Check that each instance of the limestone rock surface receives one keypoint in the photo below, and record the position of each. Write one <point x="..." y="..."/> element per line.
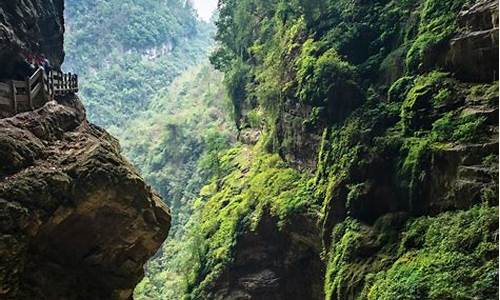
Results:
<point x="77" y="221"/>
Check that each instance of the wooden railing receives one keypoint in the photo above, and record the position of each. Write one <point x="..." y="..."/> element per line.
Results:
<point x="35" y="91"/>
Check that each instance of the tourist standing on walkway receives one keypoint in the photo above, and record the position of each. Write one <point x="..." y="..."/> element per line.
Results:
<point x="44" y="62"/>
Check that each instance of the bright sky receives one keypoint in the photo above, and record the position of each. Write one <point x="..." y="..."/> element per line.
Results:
<point x="205" y="8"/>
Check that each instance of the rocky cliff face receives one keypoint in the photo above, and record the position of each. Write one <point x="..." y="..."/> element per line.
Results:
<point x="76" y="219"/>
<point x="30" y="27"/>
<point x="274" y="263"/>
<point x="78" y="222"/>
<point x="393" y="106"/>
<point x="473" y="52"/>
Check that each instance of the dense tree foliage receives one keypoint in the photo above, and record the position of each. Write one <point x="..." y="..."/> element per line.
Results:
<point x="179" y="137"/>
<point x="125" y="51"/>
<point x="178" y="153"/>
<point x="145" y="77"/>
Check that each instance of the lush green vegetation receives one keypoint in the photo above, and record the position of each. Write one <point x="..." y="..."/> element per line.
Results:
<point x="360" y="123"/>
<point x="376" y="262"/>
<point x="410" y="136"/>
<point x="320" y="53"/>
<point x="450" y="256"/>
<point x="178" y="151"/>
<point x="250" y="184"/>
<point x="180" y="135"/>
<point x="437" y="25"/>
<point x="361" y="85"/>
<point x="246" y="184"/>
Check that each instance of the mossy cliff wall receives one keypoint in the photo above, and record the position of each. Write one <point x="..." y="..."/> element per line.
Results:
<point x="383" y="120"/>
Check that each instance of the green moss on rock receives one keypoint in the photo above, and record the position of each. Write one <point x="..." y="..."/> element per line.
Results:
<point x="429" y="91"/>
<point x="256" y="183"/>
<point x="450" y="256"/>
<point x="438" y="23"/>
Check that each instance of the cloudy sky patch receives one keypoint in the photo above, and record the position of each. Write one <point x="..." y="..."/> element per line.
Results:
<point x="205" y="8"/>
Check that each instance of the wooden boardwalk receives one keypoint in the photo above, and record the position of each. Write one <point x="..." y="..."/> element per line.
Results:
<point x="35" y="91"/>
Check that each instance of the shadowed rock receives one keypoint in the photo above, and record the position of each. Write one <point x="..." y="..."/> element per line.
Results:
<point x="77" y="221"/>
<point x="31" y="26"/>
<point x="473" y="53"/>
<point x="274" y="264"/>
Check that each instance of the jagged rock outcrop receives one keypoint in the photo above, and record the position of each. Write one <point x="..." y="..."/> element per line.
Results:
<point x="30" y="27"/>
<point x="77" y="221"/>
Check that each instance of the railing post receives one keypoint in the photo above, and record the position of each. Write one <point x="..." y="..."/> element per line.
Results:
<point x="51" y="85"/>
<point x="65" y="80"/>
<point x="55" y="81"/>
<point x="13" y="94"/>
<point x="48" y="85"/>
<point x="45" y="85"/>
<point x="69" y="81"/>
<point x="28" y="91"/>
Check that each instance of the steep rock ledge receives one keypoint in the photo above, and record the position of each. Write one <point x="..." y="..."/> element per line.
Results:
<point x="77" y="221"/>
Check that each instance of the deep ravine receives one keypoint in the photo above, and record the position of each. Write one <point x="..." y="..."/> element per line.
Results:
<point x="281" y="150"/>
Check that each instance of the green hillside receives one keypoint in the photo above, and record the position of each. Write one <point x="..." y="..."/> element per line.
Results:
<point x="125" y="51"/>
